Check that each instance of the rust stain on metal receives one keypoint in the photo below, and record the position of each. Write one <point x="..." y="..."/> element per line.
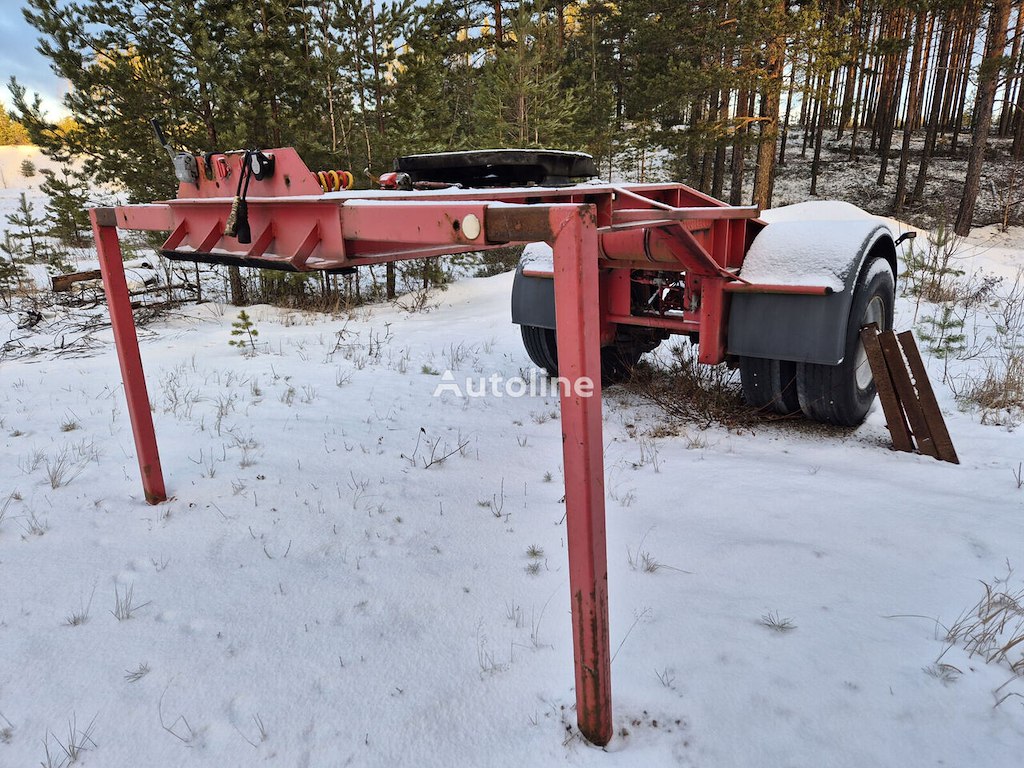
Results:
<point x="518" y="224"/>
<point x="106" y="217"/>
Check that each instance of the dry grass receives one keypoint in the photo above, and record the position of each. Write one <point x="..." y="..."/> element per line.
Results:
<point x="134" y="675"/>
<point x="999" y="390"/>
<point x="72" y="748"/>
<point x="690" y="391"/>
<point x="124" y="603"/>
<point x="993" y="628"/>
<point x="79" y="617"/>
<point x="776" y="622"/>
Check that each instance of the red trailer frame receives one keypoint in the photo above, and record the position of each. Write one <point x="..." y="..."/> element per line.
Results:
<point x="599" y="233"/>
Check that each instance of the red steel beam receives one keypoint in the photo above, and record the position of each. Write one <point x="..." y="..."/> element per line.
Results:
<point x="104" y="230"/>
<point x="571" y="231"/>
<point x="155" y="217"/>
<point x="578" y="318"/>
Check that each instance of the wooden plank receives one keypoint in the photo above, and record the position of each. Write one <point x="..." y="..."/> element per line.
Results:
<point x="929" y="405"/>
<point x="62" y="283"/>
<point x="894" y="418"/>
<point x="905" y="389"/>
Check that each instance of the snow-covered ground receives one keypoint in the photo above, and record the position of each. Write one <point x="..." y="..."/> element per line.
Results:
<point x="318" y="592"/>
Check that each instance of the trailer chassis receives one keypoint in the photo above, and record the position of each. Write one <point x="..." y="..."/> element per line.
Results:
<point x="602" y="236"/>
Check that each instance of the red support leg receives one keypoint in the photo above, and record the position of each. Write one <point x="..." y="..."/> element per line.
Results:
<point x="104" y="230"/>
<point x="578" y="318"/>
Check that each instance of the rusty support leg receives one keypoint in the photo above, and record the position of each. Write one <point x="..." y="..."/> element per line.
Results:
<point x="104" y="230"/>
<point x="578" y="318"/>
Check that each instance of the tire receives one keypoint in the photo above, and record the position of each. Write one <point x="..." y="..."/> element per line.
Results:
<point x="770" y="385"/>
<point x="842" y="394"/>
<point x="541" y="347"/>
<point x="617" y="362"/>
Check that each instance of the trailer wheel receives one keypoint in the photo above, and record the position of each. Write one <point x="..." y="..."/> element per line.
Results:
<point x="617" y="361"/>
<point x="842" y="394"/>
<point x="770" y="385"/>
<point x="541" y="347"/>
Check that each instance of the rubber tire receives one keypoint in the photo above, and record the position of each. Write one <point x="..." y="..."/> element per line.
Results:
<point x="541" y="347"/>
<point x="770" y="385"/>
<point x="831" y="393"/>
<point x="617" y="362"/>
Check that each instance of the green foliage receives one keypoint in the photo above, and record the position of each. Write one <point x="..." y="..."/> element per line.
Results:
<point x="943" y="334"/>
<point x="67" y="194"/>
<point x="29" y="231"/>
<point x="521" y="97"/>
<point x="27" y="168"/>
<point x="11" y="273"/>
<point x="244" y="333"/>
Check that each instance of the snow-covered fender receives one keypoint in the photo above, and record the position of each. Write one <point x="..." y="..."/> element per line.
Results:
<point x="807" y="329"/>
<point x="533" y="289"/>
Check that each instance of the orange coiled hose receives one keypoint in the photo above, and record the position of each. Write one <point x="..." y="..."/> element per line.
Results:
<point x="334" y="181"/>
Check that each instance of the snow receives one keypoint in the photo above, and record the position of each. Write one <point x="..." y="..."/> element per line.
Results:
<point x="815" y="243"/>
<point x="818" y="210"/>
<point x="11" y="158"/>
<point x="538" y="256"/>
<point x="311" y="575"/>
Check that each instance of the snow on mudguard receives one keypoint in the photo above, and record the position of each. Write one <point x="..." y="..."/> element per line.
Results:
<point x="809" y="329"/>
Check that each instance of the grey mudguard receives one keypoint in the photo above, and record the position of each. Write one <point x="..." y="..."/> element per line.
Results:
<point x="533" y="300"/>
<point x="806" y="329"/>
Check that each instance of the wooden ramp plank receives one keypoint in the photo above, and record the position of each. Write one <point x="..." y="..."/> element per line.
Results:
<point x="905" y="389"/>
<point x="60" y="283"/>
<point x="929" y="405"/>
<point x="891" y="407"/>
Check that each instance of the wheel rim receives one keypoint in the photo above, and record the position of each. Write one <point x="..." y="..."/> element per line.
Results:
<point x="873" y="313"/>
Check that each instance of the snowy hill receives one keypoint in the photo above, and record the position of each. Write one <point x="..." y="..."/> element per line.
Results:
<point x="11" y="159"/>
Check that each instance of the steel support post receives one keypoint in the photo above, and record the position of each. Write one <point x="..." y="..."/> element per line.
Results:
<point x="104" y="230"/>
<point x="578" y="317"/>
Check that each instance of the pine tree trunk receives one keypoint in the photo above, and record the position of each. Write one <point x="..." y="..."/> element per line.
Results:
<point x="961" y="100"/>
<point x="988" y="80"/>
<point x="789" y="109"/>
<point x="1012" y="83"/>
<point x="739" y="143"/>
<point x="886" y="96"/>
<point x="1018" y="123"/>
<point x="775" y="56"/>
<point x="956" y="72"/>
<point x="932" y="130"/>
<point x="923" y="75"/>
<point x="812" y="115"/>
<point x="908" y="122"/>
<point x="862" y="85"/>
<point x="499" y="29"/>
<point x="236" y="286"/>
<point x="889" y="122"/>
<point x="818" y="133"/>
<point x="849" y="90"/>
<point x="718" y="178"/>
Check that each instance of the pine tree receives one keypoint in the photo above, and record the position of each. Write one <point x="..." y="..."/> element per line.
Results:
<point x="219" y="74"/>
<point x="521" y="91"/>
<point x="30" y="231"/>
<point x="11" y="272"/>
<point x="244" y="333"/>
<point x="67" y="197"/>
